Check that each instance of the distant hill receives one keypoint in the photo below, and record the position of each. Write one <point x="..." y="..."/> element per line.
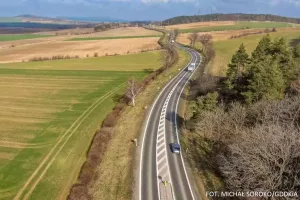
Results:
<point x="46" y="20"/>
<point x="94" y="19"/>
<point x="229" y="17"/>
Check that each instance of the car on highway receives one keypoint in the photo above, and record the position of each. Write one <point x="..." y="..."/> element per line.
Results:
<point x="175" y="148"/>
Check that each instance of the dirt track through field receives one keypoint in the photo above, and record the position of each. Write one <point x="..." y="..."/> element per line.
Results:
<point x="20" y="145"/>
<point x="58" y="146"/>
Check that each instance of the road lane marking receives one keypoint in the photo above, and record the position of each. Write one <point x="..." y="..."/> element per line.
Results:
<point x="145" y="130"/>
<point x="176" y="129"/>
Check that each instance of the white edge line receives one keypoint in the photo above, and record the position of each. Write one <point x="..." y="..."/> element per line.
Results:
<point x="166" y="103"/>
<point x="164" y="132"/>
<point x="177" y="129"/>
<point x="142" y="147"/>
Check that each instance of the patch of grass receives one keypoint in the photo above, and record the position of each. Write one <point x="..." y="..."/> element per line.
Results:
<point x="51" y="116"/>
<point x="112" y="38"/>
<point x="9" y="19"/>
<point x="130" y="62"/>
<point x="239" y="26"/>
<point x="226" y="48"/>
<point x="13" y="37"/>
<point x="115" y="171"/>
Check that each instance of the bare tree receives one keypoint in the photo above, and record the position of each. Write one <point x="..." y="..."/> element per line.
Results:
<point x="205" y="40"/>
<point x="168" y="55"/>
<point x="265" y="158"/>
<point x="258" y="147"/>
<point x="132" y="90"/>
<point x="193" y="37"/>
<point x="176" y="33"/>
<point x="210" y="52"/>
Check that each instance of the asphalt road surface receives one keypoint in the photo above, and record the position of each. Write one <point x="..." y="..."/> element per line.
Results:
<point x="162" y="174"/>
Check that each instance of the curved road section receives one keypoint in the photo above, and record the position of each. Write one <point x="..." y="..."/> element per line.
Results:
<point x="162" y="174"/>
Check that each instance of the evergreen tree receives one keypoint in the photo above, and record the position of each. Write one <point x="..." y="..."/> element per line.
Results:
<point x="235" y="69"/>
<point x="296" y="51"/>
<point x="284" y="56"/>
<point x="264" y="81"/>
<point x="207" y="102"/>
<point x="263" y="49"/>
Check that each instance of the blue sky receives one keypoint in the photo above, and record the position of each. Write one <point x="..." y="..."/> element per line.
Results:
<point x="145" y="9"/>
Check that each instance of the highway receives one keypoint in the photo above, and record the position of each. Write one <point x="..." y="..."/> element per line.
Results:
<point x="162" y="174"/>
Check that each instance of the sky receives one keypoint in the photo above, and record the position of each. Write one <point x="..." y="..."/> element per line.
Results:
<point x="145" y="9"/>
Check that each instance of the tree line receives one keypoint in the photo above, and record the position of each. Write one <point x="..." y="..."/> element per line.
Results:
<point x="229" y="17"/>
<point x="248" y="121"/>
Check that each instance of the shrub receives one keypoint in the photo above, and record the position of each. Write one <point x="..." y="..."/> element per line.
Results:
<point x="110" y="120"/>
<point x="79" y="192"/>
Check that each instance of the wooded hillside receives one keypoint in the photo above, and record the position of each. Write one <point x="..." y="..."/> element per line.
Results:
<point x="229" y="17"/>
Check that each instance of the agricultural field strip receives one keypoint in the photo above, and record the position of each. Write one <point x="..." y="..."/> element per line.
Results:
<point x="40" y="86"/>
<point x="112" y="38"/>
<point x="18" y="145"/>
<point x="238" y="26"/>
<point x="9" y="111"/>
<point x="80" y="80"/>
<point x="11" y="37"/>
<point x="58" y="146"/>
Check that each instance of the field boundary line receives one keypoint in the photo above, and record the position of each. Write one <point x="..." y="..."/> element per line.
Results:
<point x="62" y="146"/>
<point x="23" y="145"/>
<point x="92" y="107"/>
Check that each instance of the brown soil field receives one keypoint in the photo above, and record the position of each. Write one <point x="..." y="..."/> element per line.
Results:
<point x="70" y="31"/>
<point x="225" y="35"/>
<point x="200" y="24"/>
<point x="127" y="31"/>
<point x="80" y="48"/>
<point x="23" y="50"/>
<point x="124" y="31"/>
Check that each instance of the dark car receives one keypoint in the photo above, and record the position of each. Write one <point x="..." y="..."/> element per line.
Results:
<point x="175" y="148"/>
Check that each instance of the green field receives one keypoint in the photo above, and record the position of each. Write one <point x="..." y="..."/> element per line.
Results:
<point x="226" y="48"/>
<point x="9" y="19"/>
<point x="113" y="38"/>
<point x="12" y="37"/>
<point x="48" y="118"/>
<point x="239" y="26"/>
<point x="130" y="62"/>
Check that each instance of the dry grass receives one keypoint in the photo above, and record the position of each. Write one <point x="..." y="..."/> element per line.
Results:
<point x="226" y="48"/>
<point x="217" y="35"/>
<point x="80" y="48"/>
<point x="225" y="35"/>
<point x="200" y="24"/>
<point x="123" y="31"/>
<point x="115" y="171"/>
<point x="23" y="50"/>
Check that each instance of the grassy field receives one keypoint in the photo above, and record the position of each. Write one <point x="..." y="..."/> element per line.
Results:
<point x="48" y="118"/>
<point x="9" y="19"/>
<point x="226" y="48"/>
<point x="238" y="26"/>
<point x="110" y="63"/>
<point x="112" y="38"/>
<point x="13" y="37"/>
<point x="116" y="170"/>
<point x="77" y="48"/>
